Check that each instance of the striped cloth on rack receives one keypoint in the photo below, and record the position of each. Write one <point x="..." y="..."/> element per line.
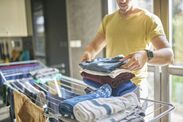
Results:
<point x="112" y="109"/>
<point x="66" y="106"/>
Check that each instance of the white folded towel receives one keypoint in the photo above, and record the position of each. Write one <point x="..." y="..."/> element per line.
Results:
<point x="113" y="74"/>
<point x="106" y="109"/>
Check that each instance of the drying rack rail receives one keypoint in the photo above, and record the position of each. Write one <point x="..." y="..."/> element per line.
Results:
<point x="155" y="110"/>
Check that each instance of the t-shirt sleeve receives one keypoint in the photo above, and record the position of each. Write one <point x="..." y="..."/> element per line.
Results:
<point x="154" y="27"/>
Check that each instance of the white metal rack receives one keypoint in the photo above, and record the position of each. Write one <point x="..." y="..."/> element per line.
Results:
<point x="7" y="70"/>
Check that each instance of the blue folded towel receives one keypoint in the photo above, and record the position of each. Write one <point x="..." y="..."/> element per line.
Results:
<point x="106" y="65"/>
<point x="123" y="88"/>
<point x="66" y="106"/>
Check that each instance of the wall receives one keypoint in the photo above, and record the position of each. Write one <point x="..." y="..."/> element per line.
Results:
<point x="83" y="18"/>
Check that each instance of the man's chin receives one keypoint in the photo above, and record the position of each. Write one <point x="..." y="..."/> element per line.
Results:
<point x="123" y="10"/>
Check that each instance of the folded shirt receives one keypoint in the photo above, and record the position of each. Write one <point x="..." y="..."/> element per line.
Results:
<point x="112" y="109"/>
<point x="123" y="88"/>
<point x="66" y="106"/>
<point x="114" y="82"/>
<point x="112" y="74"/>
<point x="106" y="65"/>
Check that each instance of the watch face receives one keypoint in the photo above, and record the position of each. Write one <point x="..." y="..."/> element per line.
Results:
<point x="150" y="54"/>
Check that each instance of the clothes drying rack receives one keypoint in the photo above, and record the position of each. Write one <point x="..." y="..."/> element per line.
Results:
<point x="155" y="110"/>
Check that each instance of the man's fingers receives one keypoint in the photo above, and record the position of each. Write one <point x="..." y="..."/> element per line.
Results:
<point x="84" y="58"/>
<point x="129" y="63"/>
<point x="126" y="57"/>
<point x="133" y="67"/>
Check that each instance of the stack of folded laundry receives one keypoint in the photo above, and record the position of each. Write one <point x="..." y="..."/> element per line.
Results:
<point x="107" y="70"/>
<point x="114" y="99"/>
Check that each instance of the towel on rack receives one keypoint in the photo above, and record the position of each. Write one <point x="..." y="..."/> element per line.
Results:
<point x="136" y="114"/>
<point x="66" y="106"/>
<point x="33" y="93"/>
<point x="106" y="65"/>
<point x="123" y="88"/>
<point x="112" y="109"/>
<point x="41" y="99"/>
<point x="18" y="76"/>
<point x="44" y="72"/>
<point x="114" y="82"/>
<point x="54" y="100"/>
<point x="133" y="117"/>
<point x="18" y="85"/>
<point x="26" y="110"/>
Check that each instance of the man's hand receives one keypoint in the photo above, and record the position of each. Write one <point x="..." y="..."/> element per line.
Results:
<point x="86" y="56"/>
<point x="135" y="60"/>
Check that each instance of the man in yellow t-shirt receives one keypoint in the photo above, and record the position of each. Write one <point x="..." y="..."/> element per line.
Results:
<point x="129" y="31"/>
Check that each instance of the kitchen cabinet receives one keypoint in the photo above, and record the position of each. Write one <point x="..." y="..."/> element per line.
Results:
<point x="15" y="18"/>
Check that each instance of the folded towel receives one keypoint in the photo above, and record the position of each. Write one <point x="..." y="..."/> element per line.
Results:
<point x="128" y="115"/>
<point x="106" y="109"/>
<point x="66" y="106"/>
<point x="112" y="74"/>
<point x="123" y="88"/>
<point x="114" y="82"/>
<point x="106" y="65"/>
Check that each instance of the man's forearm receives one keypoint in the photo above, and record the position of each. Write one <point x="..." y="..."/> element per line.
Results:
<point x="162" y="57"/>
<point x="96" y="45"/>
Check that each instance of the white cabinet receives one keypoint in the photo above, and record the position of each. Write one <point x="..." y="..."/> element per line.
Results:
<point x="15" y="18"/>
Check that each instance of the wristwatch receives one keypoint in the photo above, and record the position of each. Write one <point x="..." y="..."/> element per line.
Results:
<point x="150" y="54"/>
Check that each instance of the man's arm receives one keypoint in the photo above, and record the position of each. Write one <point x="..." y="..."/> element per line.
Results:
<point x="94" y="47"/>
<point x="163" y="55"/>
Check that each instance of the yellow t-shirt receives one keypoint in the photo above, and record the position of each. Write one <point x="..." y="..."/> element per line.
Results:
<point x="125" y="35"/>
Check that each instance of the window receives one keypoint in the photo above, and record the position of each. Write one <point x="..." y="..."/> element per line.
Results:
<point x="146" y="4"/>
<point x="177" y="30"/>
<point x="176" y="25"/>
<point x="176" y="98"/>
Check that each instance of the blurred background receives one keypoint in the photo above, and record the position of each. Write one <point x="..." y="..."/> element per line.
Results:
<point x="55" y="32"/>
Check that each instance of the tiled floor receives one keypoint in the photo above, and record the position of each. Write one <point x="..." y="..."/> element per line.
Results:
<point x="4" y="112"/>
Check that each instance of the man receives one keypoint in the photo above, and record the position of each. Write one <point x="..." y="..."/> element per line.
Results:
<point x="129" y="31"/>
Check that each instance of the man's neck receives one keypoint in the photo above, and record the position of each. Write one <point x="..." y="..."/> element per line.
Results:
<point x="127" y="12"/>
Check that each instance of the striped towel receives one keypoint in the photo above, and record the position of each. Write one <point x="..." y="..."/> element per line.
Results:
<point x="110" y="109"/>
<point x="66" y="106"/>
